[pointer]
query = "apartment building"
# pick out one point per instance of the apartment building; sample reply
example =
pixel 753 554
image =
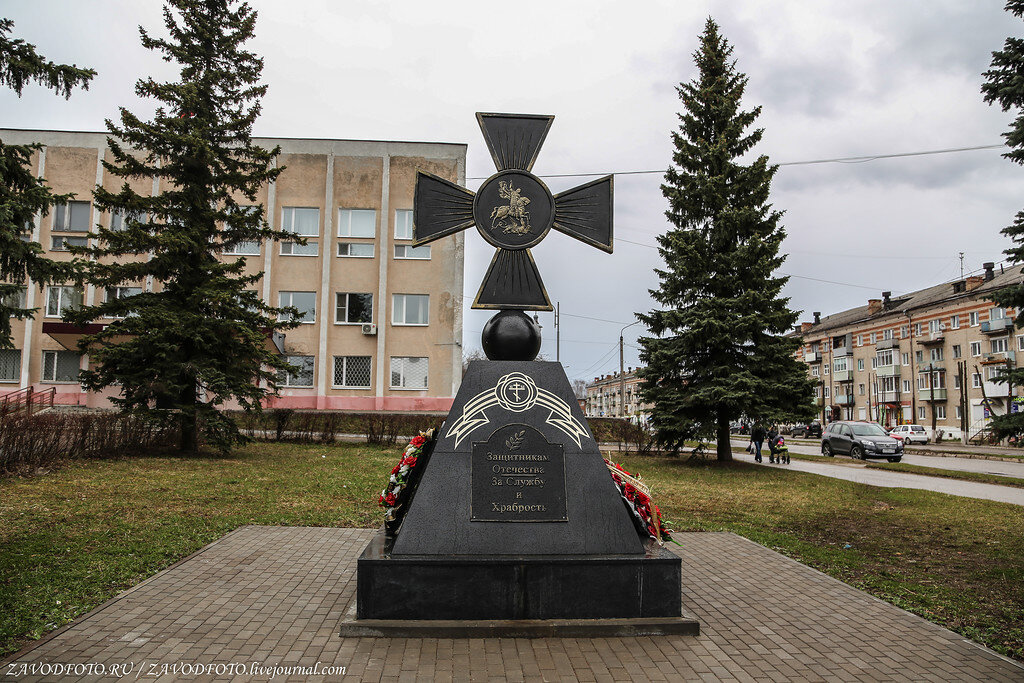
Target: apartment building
pixel 381 320
pixel 897 360
pixel 604 396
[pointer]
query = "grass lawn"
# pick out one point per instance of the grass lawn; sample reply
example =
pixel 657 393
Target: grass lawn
pixel 75 537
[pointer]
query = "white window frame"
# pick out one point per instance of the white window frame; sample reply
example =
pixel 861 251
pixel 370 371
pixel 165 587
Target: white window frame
pixel 905 357
pixel 399 305
pixel 999 344
pixel 288 214
pixel 56 355
pixel 63 292
pixel 407 252
pixel 345 217
pixel 62 215
pixel 954 322
pixel 403 224
pixel 922 413
pixel 940 412
pixel 337 307
pixel 973 318
pixel 344 246
pixel 957 351
pixel 976 380
pixel 975 349
pixel 289 296
pixel 908 386
pixel 344 373
pixel 402 372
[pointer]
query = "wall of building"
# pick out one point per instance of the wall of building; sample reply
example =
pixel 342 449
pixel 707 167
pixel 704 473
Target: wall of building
pixel 330 176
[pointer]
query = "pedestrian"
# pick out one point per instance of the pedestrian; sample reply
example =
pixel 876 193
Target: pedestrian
pixel 773 432
pixel 757 436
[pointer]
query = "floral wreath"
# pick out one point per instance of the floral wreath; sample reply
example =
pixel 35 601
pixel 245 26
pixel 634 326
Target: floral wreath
pixel 398 490
pixel 637 497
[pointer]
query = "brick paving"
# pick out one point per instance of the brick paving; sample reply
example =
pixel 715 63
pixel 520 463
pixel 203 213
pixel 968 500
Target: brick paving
pixel 275 596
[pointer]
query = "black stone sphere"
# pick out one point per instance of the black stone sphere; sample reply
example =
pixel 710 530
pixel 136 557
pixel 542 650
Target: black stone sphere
pixel 511 335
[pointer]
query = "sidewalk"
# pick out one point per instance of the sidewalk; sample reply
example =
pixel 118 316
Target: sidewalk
pixel 950 449
pixel 274 596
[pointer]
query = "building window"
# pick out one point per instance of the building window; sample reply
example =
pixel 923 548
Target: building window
pixel 10 365
pixel 302 221
pixel 936 354
pixel 940 412
pixel 408 373
pixel 355 249
pixel 410 309
pixel 304 301
pixel 997 314
pixel 352 372
pixel 887 334
pixel 904 332
pixel 918 357
pixel 302 378
pixel 917 329
pixel 115 293
pixel 828 391
pixel 827 367
pixel 244 248
pixel 71 217
pixel 921 413
pixel 61 299
pixel 976 380
pixel 815 372
pixel 873 338
pixel 403 224
pixel 61 243
pixel 906 386
pixel 959 413
pixel 956 351
pixel 906 358
pixel 860 363
pixel 934 326
pixel 874 363
pixel 976 348
pixel 1000 345
pixel 351 307
pixel 119 219
pixel 14 298
pixel 60 366
pixel 357 223
pixel 956 381
pixel 954 322
pixel 973 316
pixel 407 251
pixel 860 389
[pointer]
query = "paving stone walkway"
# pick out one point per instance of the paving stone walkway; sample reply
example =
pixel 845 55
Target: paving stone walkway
pixel 273 596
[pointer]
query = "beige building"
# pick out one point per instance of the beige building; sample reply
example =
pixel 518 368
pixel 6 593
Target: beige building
pixel 899 360
pixel 604 397
pixel 382 320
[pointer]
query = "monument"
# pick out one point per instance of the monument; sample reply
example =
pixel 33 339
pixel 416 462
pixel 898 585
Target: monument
pixel 513 525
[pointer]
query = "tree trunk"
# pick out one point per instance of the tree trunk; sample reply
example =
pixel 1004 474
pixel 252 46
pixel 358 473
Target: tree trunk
pixel 723 442
pixel 189 421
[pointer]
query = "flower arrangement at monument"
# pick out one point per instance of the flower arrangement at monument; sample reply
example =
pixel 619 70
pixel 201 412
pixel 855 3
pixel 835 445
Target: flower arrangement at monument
pixel 637 496
pixel 404 476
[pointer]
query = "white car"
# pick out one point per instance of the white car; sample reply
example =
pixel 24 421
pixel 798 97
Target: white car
pixel 909 434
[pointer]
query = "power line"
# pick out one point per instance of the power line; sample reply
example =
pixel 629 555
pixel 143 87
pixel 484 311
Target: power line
pixel 809 162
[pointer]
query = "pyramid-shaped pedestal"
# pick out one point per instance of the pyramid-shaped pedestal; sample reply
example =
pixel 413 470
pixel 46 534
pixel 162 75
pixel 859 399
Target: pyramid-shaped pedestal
pixel 516 517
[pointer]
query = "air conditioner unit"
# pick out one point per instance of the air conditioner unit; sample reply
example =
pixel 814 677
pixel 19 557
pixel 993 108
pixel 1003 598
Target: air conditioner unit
pixel 369 328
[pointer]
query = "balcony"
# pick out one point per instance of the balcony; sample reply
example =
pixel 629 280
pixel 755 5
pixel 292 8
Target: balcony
pixel 932 366
pixel 888 397
pixel 995 389
pixel 931 394
pixel 842 375
pixel 932 338
pixel 998 326
pixel 812 357
pixel 998 357
pixel 888 370
pixel 840 351
pixel 888 344
pixel 843 399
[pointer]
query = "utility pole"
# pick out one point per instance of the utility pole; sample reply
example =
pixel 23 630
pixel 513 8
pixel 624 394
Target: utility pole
pixel 558 332
pixel 961 266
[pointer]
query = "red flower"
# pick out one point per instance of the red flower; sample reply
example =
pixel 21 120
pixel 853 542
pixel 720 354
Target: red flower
pixel 652 531
pixel 418 441
pixel 409 461
pixel 396 468
pixel 390 499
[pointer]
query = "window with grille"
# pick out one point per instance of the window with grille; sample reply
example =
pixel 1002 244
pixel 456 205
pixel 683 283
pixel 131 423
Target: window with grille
pixel 408 373
pixel 301 378
pixel 71 217
pixel 410 309
pixel 60 366
pixel 357 222
pixel 352 372
pixel 60 299
pixel 10 365
pixel 352 307
pixel 304 301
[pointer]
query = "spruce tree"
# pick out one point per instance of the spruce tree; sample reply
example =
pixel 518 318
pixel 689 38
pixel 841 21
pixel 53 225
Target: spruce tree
pixel 720 348
pixel 22 194
pixel 198 337
pixel 1004 84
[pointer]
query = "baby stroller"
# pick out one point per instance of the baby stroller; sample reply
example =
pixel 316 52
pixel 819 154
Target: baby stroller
pixel 778 451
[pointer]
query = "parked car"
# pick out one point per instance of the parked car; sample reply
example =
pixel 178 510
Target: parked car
pixel 909 434
pixel 810 430
pixel 861 440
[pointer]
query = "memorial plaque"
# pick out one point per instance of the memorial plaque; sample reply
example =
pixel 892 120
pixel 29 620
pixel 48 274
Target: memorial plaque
pixel 518 476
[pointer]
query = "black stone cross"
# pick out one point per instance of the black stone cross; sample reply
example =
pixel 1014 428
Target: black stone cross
pixel 513 210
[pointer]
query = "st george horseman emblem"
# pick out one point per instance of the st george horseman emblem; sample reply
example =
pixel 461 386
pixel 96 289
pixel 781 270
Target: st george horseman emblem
pixel 516 393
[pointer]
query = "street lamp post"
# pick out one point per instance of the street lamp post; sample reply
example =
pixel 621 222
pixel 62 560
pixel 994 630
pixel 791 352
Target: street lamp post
pixel 622 375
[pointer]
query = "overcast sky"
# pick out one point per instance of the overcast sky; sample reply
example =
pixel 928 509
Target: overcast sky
pixel 835 79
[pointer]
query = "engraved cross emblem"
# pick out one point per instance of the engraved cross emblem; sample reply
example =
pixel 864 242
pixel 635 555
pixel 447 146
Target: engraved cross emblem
pixel 515 388
pixel 513 210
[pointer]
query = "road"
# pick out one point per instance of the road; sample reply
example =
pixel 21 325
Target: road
pixel 851 470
